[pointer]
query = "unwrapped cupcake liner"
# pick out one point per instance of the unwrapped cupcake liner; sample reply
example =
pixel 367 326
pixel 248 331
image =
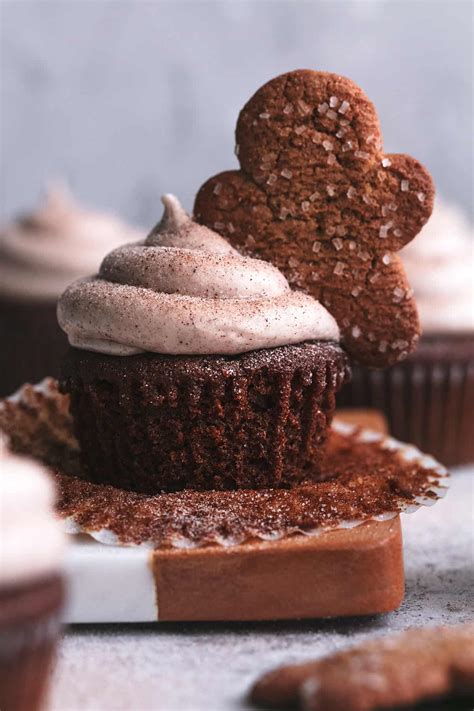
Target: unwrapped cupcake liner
pixel 408 480
pixel 436 486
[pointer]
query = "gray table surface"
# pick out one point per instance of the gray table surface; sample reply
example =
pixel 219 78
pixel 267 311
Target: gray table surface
pixel 194 667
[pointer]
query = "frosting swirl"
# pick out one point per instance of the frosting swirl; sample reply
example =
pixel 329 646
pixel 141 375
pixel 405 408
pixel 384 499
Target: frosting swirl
pixel 440 267
pixel 185 290
pixel 41 253
pixel 31 539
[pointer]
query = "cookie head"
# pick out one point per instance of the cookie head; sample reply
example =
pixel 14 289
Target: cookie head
pixel 317 196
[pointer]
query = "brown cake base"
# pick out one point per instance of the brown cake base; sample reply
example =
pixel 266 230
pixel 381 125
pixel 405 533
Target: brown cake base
pixel 29 627
pixel 32 344
pixel 341 573
pixel 428 399
pixel 151 423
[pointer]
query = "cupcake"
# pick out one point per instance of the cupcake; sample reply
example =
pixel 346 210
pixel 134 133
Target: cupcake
pixel 40 254
pixel 31 587
pixel 192 366
pixel 429 398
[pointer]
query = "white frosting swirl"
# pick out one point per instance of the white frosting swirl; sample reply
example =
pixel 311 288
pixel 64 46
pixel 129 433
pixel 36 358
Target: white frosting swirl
pixel 41 253
pixel 440 267
pixel 31 539
pixel 185 290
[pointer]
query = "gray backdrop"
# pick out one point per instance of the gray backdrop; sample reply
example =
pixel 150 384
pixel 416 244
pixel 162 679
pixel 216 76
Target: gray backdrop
pixel 129 99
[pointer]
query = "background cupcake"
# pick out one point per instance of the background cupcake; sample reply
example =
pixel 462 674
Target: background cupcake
pixel 193 366
pixel 31 587
pixel 40 254
pixel 429 398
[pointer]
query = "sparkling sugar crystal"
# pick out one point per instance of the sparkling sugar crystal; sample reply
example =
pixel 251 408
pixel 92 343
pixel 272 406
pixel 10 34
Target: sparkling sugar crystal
pixel 386 163
pixel 288 109
pixel 331 114
pixel 264 115
pixel 293 262
pixel 217 189
pixel 316 246
pixel 421 197
pixel 398 295
pixel 356 291
pixel 332 160
pixel 287 174
pixel 338 243
pixel 333 102
pixel 383 346
pixel 404 185
pixel 362 154
pixel 351 193
pixel 219 225
pixel 314 196
pixel 272 178
pixel 327 145
pixel 305 205
pixel 356 332
pixel 330 190
pixel 322 108
pixel 344 107
pixel 230 228
pixel 384 229
pixel 387 259
pixel 339 268
pixel 299 130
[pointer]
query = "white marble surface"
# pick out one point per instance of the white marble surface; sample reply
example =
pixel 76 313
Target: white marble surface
pixel 209 667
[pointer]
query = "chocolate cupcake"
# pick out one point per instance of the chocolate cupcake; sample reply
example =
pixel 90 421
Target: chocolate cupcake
pixel 429 397
pixel 192 366
pixel 40 254
pixel 31 587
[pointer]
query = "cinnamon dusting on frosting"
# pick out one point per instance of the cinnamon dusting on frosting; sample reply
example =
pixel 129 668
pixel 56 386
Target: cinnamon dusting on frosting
pixel 44 251
pixel 185 290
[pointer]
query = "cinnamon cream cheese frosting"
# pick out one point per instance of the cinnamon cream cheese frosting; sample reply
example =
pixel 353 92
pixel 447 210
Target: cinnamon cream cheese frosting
pixel 31 538
pixel 185 290
pixel 43 252
pixel 440 267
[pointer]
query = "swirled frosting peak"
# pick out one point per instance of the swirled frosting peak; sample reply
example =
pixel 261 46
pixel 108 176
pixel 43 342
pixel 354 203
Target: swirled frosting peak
pixel 185 290
pixel 44 251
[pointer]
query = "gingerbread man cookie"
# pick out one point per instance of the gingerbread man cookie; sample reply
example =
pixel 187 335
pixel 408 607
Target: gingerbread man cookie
pixel 317 196
pixel 392 671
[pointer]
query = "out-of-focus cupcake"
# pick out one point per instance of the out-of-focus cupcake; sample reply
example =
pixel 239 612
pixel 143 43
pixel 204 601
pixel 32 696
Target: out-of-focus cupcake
pixel 40 254
pixel 429 398
pixel 195 367
pixel 31 584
